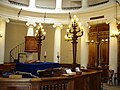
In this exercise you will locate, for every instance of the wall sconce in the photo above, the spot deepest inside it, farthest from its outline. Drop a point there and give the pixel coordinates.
(60, 25)
(117, 32)
(90, 41)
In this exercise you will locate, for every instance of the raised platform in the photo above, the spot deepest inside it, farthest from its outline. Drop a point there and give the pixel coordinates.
(89, 80)
(32, 68)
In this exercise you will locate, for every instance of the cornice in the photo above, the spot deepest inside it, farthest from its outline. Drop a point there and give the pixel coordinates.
(52, 16)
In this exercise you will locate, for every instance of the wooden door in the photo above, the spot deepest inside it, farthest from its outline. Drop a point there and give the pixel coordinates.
(104, 51)
(99, 45)
(92, 49)
(118, 62)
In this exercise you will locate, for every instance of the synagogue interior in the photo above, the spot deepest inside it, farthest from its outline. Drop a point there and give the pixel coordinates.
(59, 44)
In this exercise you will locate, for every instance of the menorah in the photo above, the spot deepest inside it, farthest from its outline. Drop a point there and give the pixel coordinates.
(75, 30)
(39, 37)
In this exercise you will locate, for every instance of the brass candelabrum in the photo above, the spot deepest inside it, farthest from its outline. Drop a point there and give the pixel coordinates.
(39, 37)
(75, 30)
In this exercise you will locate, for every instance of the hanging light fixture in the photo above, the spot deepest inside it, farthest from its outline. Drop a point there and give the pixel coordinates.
(116, 33)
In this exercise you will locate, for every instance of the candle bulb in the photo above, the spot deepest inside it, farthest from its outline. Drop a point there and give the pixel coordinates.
(45, 57)
(67, 30)
(74, 16)
(57, 53)
(58, 57)
(45, 53)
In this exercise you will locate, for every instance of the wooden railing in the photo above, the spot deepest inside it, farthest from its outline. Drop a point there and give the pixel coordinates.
(90, 80)
(14, 53)
(54, 85)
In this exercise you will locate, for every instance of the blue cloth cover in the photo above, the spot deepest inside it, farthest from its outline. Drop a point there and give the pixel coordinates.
(33, 67)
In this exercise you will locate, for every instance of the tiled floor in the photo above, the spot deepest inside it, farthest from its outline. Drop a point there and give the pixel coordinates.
(110, 87)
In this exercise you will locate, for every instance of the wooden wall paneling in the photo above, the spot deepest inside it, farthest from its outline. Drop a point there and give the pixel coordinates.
(118, 51)
(91, 54)
(104, 47)
(118, 61)
(92, 50)
(104, 51)
(92, 28)
(15, 86)
(100, 34)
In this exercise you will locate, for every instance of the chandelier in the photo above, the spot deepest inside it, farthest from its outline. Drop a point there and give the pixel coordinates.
(39, 37)
(75, 30)
(116, 33)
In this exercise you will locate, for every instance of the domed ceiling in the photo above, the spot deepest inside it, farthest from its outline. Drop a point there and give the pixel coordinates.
(50, 11)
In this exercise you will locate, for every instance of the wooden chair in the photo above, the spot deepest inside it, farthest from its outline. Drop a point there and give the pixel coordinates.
(116, 79)
(110, 77)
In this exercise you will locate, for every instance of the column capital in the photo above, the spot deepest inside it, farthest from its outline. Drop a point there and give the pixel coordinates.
(31, 23)
(85, 24)
(55, 25)
(114, 21)
(4, 19)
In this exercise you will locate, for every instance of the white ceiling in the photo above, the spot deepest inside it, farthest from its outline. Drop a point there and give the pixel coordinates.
(8, 10)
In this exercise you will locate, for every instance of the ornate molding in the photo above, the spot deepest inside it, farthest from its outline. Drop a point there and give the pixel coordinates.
(36, 13)
(4, 19)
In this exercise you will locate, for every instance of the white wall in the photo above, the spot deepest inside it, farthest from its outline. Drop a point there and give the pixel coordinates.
(15, 35)
(2, 40)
